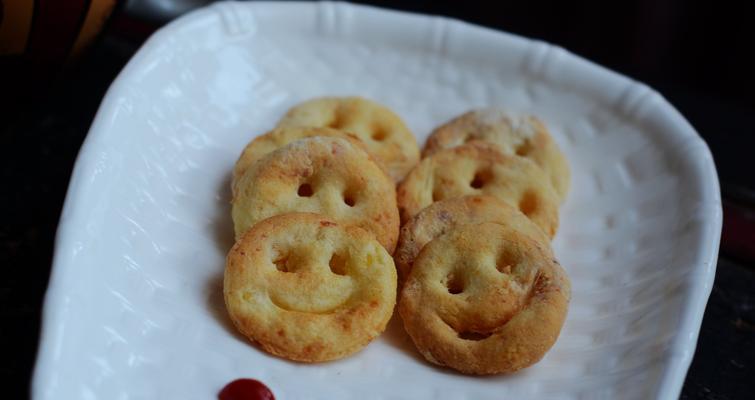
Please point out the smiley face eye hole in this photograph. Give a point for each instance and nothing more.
(480, 179)
(349, 200)
(524, 149)
(437, 195)
(281, 264)
(529, 203)
(454, 283)
(378, 133)
(305, 190)
(337, 121)
(505, 262)
(337, 264)
(503, 267)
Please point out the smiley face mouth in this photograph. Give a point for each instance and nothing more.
(287, 306)
(482, 334)
(324, 297)
(311, 288)
(474, 336)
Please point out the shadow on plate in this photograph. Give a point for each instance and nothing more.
(396, 336)
(216, 306)
(222, 227)
(222, 231)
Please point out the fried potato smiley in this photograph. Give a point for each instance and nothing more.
(484, 299)
(308, 289)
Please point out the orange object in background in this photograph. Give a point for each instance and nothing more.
(51, 30)
(38, 38)
(15, 24)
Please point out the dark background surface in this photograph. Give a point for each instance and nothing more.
(700, 57)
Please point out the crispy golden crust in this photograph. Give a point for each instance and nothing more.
(385, 135)
(275, 139)
(525, 136)
(446, 215)
(308, 289)
(479, 168)
(484, 299)
(324, 175)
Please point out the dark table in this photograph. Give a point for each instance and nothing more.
(40, 142)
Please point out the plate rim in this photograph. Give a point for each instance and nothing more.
(81, 194)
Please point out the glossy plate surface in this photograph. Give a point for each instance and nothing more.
(134, 309)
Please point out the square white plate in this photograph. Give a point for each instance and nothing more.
(134, 309)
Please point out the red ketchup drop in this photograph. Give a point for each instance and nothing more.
(246, 389)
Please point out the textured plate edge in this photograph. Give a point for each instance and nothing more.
(81, 196)
(684, 344)
(77, 206)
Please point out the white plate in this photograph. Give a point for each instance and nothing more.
(134, 309)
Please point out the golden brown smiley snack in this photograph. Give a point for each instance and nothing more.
(308, 289)
(324, 175)
(446, 215)
(484, 299)
(479, 168)
(276, 139)
(385, 135)
(524, 136)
